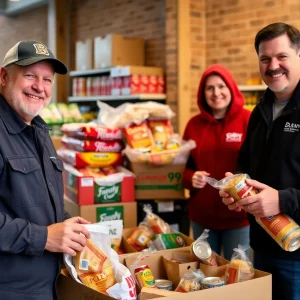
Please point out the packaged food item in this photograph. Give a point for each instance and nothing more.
(144, 277)
(212, 282)
(91, 145)
(89, 171)
(154, 222)
(94, 268)
(140, 237)
(83, 159)
(282, 228)
(115, 228)
(202, 250)
(139, 137)
(168, 241)
(91, 131)
(161, 131)
(190, 281)
(240, 267)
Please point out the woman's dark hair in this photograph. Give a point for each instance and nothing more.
(275, 30)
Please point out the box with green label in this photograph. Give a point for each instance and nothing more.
(85, 190)
(158, 181)
(104, 212)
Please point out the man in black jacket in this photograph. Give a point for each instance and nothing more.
(271, 156)
(34, 229)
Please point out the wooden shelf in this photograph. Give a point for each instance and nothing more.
(118, 98)
(89, 72)
(252, 88)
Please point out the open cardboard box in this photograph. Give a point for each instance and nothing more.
(129, 249)
(257, 288)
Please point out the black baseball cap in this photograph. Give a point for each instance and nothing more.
(26, 53)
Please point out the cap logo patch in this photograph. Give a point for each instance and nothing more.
(41, 49)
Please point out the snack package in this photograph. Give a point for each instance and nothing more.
(240, 267)
(175, 155)
(161, 132)
(154, 222)
(95, 159)
(98, 266)
(190, 281)
(140, 237)
(91, 145)
(91, 131)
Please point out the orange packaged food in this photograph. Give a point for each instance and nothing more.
(161, 132)
(139, 136)
(94, 268)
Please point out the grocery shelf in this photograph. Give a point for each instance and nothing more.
(89, 72)
(118, 98)
(252, 88)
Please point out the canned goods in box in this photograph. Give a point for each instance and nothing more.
(144, 276)
(164, 284)
(203, 251)
(212, 282)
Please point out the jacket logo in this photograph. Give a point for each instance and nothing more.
(234, 137)
(291, 127)
(41, 49)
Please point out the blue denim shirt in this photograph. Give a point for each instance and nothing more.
(31, 198)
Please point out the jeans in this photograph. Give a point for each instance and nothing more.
(224, 240)
(285, 275)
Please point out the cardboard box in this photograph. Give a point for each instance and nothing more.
(56, 141)
(130, 249)
(101, 212)
(115, 50)
(135, 70)
(84, 55)
(258, 288)
(84, 191)
(158, 181)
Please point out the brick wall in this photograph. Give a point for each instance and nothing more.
(131, 18)
(31, 25)
(198, 48)
(231, 26)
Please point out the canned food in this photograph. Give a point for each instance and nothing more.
(164, 284)
(144, 276)
(202, 250)
(283, 229)
(212, 282)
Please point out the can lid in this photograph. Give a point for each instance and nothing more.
(294, 243)
(201, 249)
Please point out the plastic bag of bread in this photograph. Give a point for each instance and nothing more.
(98, 266)
(154, 222)
(240, 267)
(190, 281)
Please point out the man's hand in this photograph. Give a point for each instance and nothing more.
(264, 204)
(67, 237)
(198, 180)
(227, 200)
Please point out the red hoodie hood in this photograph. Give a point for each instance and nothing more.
(237, 99)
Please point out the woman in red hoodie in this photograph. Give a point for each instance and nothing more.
(219, 131)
